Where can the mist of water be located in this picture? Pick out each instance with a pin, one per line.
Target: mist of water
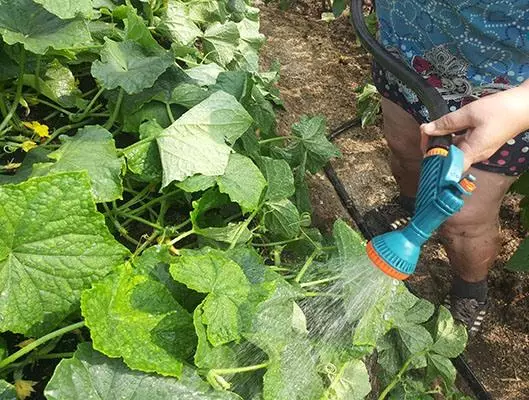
(336, 307)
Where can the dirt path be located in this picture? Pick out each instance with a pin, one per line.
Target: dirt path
(321, 65)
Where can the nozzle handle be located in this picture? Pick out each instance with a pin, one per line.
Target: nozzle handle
(440, 141)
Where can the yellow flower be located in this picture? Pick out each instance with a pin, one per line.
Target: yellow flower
(24, 388)
(40, 129)
(28, 145)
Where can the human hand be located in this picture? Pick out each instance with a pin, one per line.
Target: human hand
(489, 123)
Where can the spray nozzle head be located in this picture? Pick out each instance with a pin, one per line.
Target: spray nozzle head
(439, 196)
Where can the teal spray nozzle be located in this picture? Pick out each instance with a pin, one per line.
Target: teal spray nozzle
(440, 195)
(441, 184)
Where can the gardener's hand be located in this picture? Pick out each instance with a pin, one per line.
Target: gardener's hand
(489, 123)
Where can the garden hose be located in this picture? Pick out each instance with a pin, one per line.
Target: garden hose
(442, 184)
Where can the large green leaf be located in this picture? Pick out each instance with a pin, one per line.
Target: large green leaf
(91, 150)
(91, 375)
(57, 84)
(227, 287)
(143, 158)
(205, 74)
(136, 318)
(242, 181)
(282, 219)
(439, 365)
(24, 21)
(450, 337)
(349, 243)
(130, 66)
(67, 9)
(279, 177)
(221, 41)
(211, 200)
(311, 132)
(7, 391)
(53, 244)
(196, 142)
(350, 383)
(178, 25)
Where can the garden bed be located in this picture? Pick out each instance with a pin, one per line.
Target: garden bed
(321, 66)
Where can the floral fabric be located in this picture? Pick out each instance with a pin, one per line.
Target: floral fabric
(467, 49)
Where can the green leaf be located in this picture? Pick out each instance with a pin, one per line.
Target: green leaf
(188, 95)
(421, 312)
(137, 31)
(236, 83)
(292, 374)
(282, 219)
(67, 9)
(91, 375)
(389, 356)
(519, 261)
(205, 74)
(205, 12)
(279, 177)
(208, 356)
(136, 318)
(350, 383)
(130, 66)
(243, 182)
(196, 142)
(221, 41)
(349, 243)
(197, 183)
(7, 391)
(450, 337)
(91, 150)
(319, 150)
(40, 29)
(416, 340)
(440, 365)
(211, 200)
(143, 158)
(177, 24)
(53, 244)
(338, 7)
(227, 289)
(57, 84)
(367, 104)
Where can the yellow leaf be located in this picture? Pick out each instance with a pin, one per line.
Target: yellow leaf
(24, 388)
(24, 343)
(28, 145)
(40, 129)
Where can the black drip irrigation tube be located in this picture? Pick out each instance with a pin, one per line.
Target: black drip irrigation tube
(461, 365)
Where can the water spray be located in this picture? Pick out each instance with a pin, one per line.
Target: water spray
(442, 182)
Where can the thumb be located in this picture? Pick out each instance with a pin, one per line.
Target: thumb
(449, 123)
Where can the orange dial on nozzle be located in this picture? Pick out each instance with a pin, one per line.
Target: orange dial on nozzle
(437, 151)
(381, 264)
(468, 185)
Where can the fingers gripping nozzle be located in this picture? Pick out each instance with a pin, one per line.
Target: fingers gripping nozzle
(442, 187)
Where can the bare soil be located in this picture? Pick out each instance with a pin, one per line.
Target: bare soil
(321, 65)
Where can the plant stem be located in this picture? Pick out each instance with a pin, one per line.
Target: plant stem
(145, 244)
(320, 281)
(181, 236)
(150, 203)
(136, 199)
(33, 345)
(64, 129)
(231, 371)
(18, 94)
(397, 377)
(272, 244)
(276, 139)
(169, 112)
(79, 117)
(243, 226)
(321, 294)
(52, 356)
(54, 106)
(142, 220)
(306, 266)
(117, 108)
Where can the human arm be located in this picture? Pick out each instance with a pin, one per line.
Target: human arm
(489, 123)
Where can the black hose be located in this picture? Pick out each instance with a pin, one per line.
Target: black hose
(428, 95)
